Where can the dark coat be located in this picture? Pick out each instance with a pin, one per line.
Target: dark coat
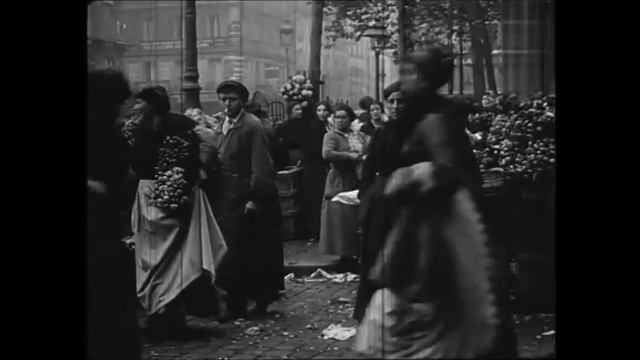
(112, 322)
(254, 262)
(314, 174)
(439, 136)
(376, 212)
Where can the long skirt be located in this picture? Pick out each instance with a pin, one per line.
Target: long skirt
(339, 229)
(172, 251)
(436, 300)
(377, 214)
(312, 187)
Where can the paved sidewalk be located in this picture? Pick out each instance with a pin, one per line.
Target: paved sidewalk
(302, 258)
(294, 330)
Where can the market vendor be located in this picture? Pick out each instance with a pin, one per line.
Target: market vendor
(177, 239)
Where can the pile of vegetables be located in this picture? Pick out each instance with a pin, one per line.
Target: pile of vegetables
(515, 138)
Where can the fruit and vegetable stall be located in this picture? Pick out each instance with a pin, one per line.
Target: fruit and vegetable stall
(515, 146)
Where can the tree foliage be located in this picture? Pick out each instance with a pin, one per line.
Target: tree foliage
(430, 22)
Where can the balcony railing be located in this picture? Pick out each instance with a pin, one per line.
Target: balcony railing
(220, 42)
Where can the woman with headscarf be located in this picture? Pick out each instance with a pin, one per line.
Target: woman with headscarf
(292, 139)
(436, 296)
(177, 239)
(290, 134)
(344, 150)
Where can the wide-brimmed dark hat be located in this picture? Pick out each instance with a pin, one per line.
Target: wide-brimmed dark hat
(236, 86)
(434, 66)
(156, 96)
(394, 87)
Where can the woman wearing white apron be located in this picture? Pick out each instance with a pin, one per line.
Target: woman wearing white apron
(176, 235)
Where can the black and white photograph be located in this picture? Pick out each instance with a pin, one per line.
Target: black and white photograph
(324, 179)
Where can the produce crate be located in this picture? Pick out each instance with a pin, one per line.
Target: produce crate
(286, 179)
(288, 200)
(493, 182)
(288, 193)
(288, 228)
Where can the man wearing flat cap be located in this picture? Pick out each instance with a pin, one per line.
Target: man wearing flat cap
(245, 202)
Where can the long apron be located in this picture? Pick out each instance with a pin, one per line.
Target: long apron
(173, 251)
(339, 229)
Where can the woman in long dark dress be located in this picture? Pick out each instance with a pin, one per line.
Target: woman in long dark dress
(290, 134)
(376, 212)
(291, 139)
(435, 270)
(315, 168)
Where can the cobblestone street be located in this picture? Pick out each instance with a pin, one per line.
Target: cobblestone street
(294, 330)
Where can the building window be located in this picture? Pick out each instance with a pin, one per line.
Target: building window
(227, 68)
(147, 72)
(134, 72)
(177, 23)
(215, 73)
(147, 30)
(213, 26)
(234, 13)
(165, 70)
(260, 80)
(203, 66)
(118, 29)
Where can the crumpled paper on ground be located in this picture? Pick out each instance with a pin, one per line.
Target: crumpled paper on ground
(338, 332)
(253, 331)
(322, 276)
(347, 197)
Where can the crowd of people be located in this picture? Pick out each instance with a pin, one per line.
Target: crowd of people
(393, 190)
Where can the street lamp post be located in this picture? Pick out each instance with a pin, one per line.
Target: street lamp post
(378, 35)
(377, 52)
(190, 87)
(461, 69)
(286, 40)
